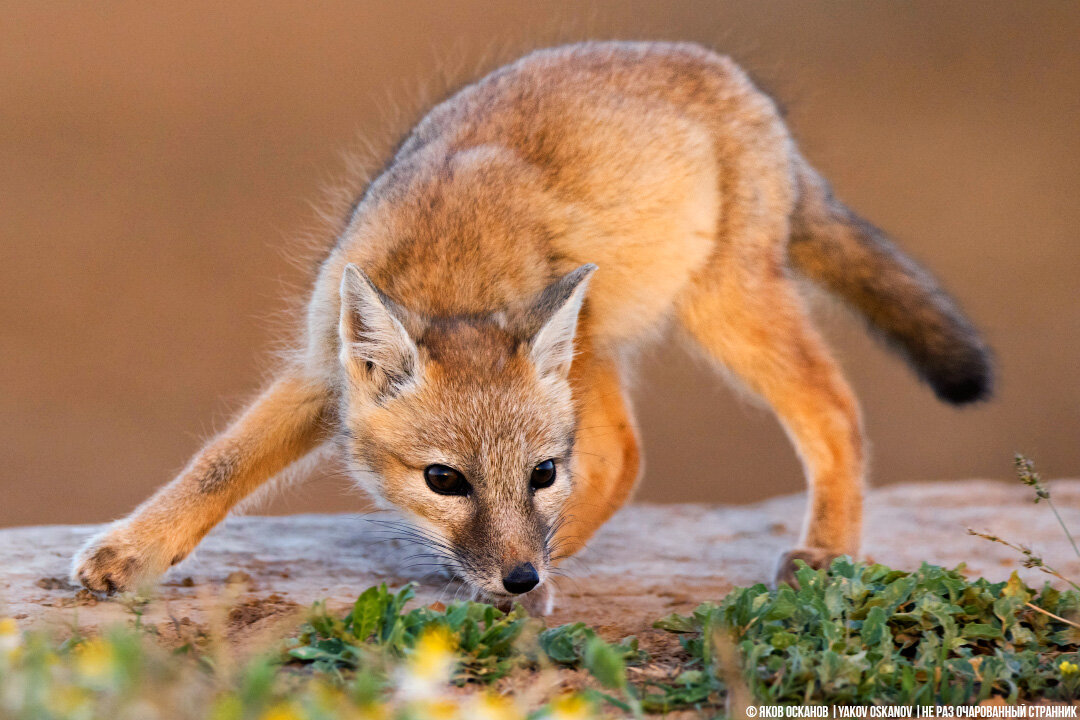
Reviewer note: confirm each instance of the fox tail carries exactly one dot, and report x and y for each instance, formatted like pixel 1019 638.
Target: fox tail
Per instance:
pixel 900 300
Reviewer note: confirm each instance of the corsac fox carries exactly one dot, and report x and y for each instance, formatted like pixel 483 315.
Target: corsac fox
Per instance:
pixel 468 335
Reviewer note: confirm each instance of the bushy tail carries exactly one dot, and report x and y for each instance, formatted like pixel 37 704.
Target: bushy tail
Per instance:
pixel 854 260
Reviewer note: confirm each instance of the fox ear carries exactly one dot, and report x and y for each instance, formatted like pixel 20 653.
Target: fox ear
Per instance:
pixel 552 321
pixel 375 347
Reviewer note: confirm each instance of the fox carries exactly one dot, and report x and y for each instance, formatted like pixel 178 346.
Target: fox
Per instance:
pixel 470 336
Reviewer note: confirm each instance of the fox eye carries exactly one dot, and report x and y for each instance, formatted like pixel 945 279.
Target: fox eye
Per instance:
pixel 446 480
pixel 543 475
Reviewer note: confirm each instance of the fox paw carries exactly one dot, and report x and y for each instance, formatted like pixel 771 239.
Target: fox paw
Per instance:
pixel 110 563
pixel 817 558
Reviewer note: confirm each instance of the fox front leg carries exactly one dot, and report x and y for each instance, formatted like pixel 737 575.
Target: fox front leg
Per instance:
pixel 284 423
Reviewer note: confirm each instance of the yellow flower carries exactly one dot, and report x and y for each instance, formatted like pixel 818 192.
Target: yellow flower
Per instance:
pixel 374 711
pixel 282 711
pixel 10 639
pixel 94 658
pixel 569 707
pixel 435 710
pixel 1068 668
pixel 433 657
pixel 489 706
pixel 430 666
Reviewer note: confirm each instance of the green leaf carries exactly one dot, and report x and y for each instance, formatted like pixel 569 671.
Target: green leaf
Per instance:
pixel 1016 588
pixel 307 653
pixel 874 628
pixel 605 664
pixel 565 644
pixel 782 640
pixel 783 606
pixel 368 609
pixel 981 630
pixel 677 624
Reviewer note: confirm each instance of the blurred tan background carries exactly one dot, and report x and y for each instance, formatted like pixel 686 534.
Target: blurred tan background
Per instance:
pixel 160 164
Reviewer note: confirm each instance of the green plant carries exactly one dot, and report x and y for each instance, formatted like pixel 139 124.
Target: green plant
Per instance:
pixel 699 685
pixel 377 631
pixel 488 643
pixel 566 645
pixel 859 633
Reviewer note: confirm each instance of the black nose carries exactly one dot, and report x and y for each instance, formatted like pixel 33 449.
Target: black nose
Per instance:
pixel 521 579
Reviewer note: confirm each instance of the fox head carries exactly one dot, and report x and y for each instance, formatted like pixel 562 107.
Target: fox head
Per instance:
pixel 466 424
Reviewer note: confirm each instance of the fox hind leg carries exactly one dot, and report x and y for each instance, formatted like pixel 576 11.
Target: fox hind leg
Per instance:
pixel 748 316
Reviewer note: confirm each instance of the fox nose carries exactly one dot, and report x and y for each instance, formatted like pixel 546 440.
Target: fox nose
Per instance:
pixel 521 579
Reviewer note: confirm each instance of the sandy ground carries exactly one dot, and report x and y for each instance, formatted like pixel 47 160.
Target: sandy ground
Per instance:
pixel 650 560
pixel 253 578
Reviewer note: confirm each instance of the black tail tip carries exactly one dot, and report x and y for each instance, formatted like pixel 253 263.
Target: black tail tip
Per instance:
pixel 965 380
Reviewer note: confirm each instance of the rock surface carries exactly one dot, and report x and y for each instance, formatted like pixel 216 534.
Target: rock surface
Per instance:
pixel 650 560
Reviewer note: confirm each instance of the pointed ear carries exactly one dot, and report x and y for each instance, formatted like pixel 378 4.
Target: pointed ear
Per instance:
pixel 375 347
pixel 552 322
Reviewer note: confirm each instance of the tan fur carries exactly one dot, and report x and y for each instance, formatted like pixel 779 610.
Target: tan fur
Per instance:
pixel 439 330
